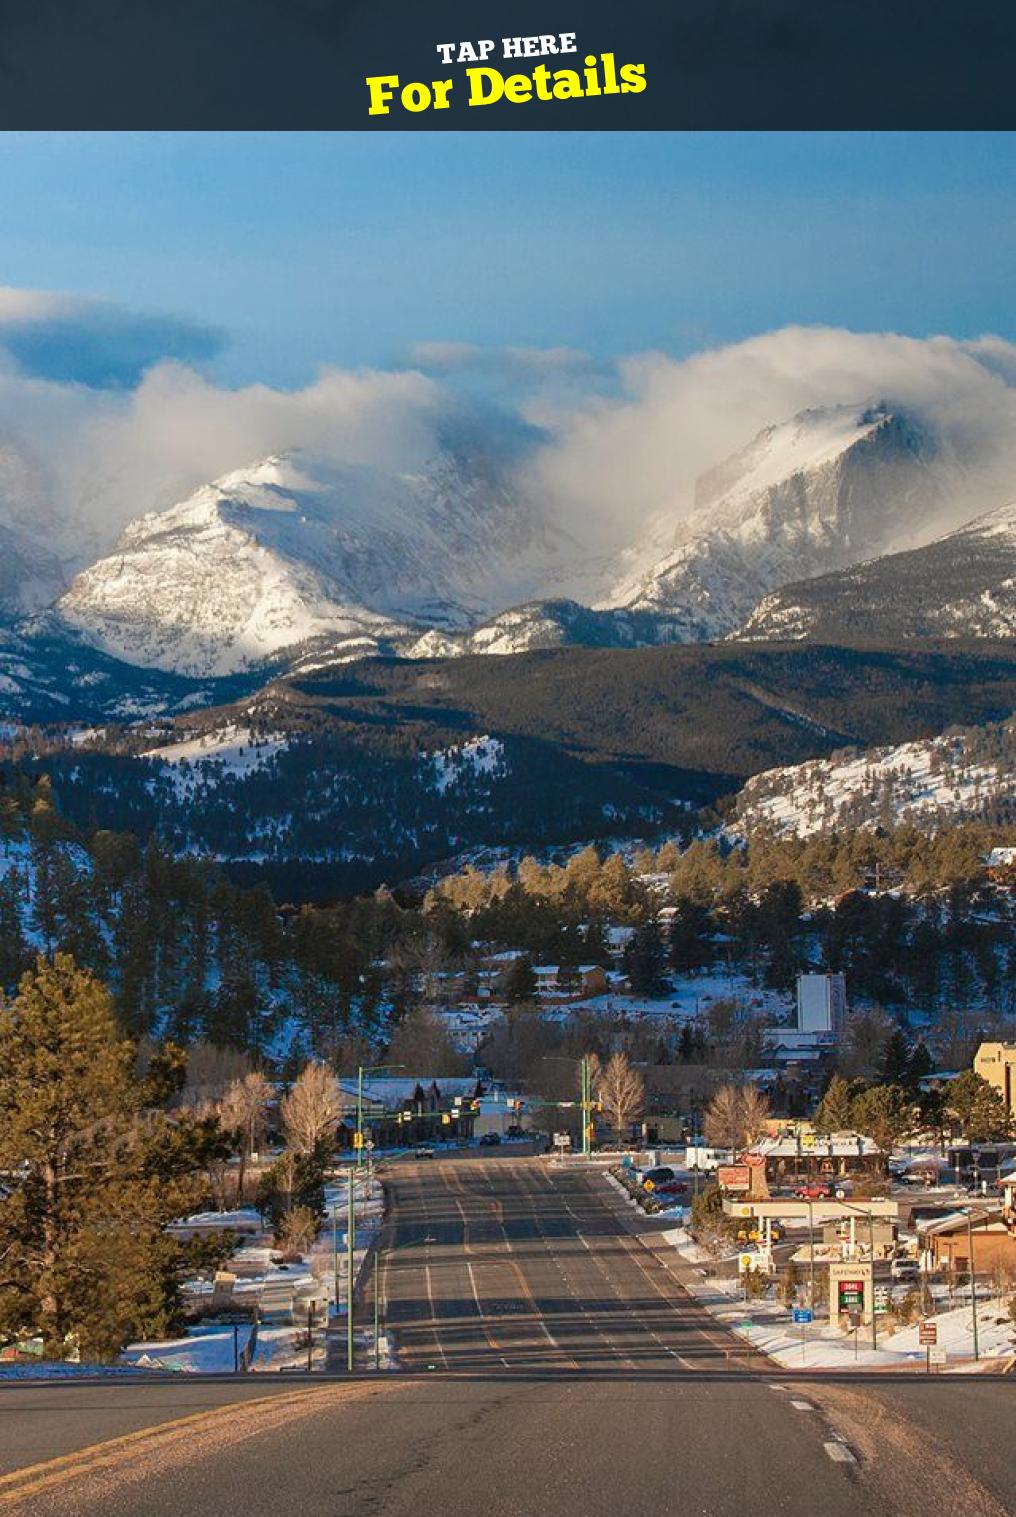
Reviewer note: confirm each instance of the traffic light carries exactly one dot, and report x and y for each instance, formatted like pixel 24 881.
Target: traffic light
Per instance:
pixel 446 1120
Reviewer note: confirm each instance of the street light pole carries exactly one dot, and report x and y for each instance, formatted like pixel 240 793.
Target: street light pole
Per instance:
pixel 377 1312
pixel 359 1116
pixel 350 1243
pixel 335 1253
pixel 361 1070
pixel 587 1146
pixel 973 1283
pixel 871 1256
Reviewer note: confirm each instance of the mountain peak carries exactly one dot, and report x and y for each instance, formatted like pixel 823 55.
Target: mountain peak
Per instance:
pixel 830 487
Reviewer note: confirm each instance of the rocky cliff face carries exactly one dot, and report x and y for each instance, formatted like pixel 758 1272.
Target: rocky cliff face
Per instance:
pixel 827 489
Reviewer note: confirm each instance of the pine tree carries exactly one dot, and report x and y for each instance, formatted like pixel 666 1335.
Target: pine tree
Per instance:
pixel 645 959
pixel 95 1175
pixel 896 1059
pixel 520 981
pixel 977 1108
pixel 835 1110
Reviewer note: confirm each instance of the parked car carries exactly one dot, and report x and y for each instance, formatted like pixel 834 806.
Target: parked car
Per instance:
pixel 815 1190
pixel 672 1188
pixel 490 1140
pixel 660 1174
pixel 422 1151
pixel 904 1269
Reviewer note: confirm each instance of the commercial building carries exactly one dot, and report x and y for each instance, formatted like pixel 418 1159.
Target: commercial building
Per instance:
pixel 996 1063
pixel 813 1156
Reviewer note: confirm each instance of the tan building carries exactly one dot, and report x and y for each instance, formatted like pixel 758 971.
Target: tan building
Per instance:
pixel 948 1240
pixel 996 1063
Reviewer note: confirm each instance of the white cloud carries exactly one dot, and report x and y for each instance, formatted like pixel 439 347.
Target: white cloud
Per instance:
pixel 618 460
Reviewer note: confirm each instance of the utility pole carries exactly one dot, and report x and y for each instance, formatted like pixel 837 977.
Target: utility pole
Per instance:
pixel 811 1255
pixel 871 1256
pixel 377 1308
pixel 310 1335
pixel 973 1282
pixel 350 1244
pixel 359 1116
pixel 335 1253
pixel 586 1086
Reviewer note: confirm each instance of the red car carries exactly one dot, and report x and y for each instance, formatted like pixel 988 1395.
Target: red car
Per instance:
pixel 815 1190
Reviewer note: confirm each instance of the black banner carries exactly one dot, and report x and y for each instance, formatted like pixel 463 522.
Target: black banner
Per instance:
pixel 556 65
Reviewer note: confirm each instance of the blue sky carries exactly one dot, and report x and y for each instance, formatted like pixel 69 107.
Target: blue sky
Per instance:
pixel 302 250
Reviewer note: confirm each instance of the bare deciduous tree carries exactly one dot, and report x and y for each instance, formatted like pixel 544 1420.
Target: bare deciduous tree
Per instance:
pixel 622 1092
pixel 297 1230
pixel 312 1108
pixel 735 1117
pixel 243 1110
pixel 422 1046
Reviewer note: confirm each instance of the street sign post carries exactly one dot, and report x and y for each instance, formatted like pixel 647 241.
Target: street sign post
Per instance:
pixel 927 1337
pixel 803 1315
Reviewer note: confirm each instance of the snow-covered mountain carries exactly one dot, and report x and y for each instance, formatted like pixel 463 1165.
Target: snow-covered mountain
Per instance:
pixel 966 775
pixel 298 562
pixel 827 489
pixel 962 585
pixel 297 548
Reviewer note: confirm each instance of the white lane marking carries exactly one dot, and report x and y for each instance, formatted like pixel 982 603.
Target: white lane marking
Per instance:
pixel 579 1301
pixel 632 1254
pixel 840 1453
pixel 537 1316
pixel 803 1406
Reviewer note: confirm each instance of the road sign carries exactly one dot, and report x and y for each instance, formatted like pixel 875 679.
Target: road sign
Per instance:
pixel 746 1262
pixel 927 1334
pixel 803 1314
pixel 937 1356
pixel 562 1140
pixel 883 1298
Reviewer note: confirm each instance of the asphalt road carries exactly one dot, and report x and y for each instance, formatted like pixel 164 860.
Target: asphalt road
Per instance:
pixel 553 1366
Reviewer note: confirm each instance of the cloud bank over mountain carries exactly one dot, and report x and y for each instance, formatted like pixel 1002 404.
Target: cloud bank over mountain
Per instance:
pixel 116 414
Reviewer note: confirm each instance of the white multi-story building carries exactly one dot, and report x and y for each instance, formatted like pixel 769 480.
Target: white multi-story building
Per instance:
pixel 822 1003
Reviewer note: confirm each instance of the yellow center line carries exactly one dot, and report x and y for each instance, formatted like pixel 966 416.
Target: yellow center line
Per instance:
pixel 33 1478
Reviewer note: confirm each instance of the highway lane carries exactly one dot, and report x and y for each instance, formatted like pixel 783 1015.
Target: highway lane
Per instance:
pixel 553 1365
pixel 516 1265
